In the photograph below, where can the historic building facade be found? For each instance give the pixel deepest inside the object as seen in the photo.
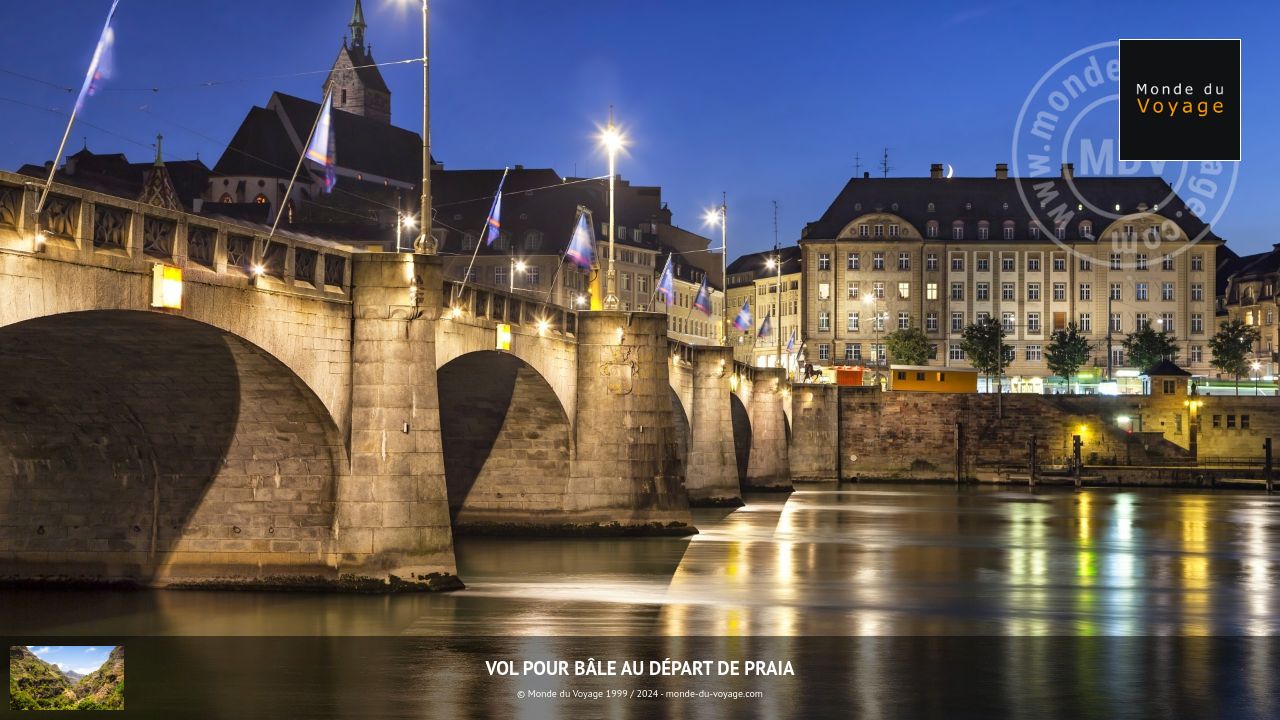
(754, 279)
(1249, 295)
(941, 253)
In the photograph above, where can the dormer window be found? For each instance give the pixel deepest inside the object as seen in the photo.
(1086, 229)
(931, 227)
(957, 230)
(931, 207)
(984, 230)
(1007, 229)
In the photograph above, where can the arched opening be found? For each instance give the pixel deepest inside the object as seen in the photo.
(137, 446)
(741, 435)
(506, 441)
(680, 429)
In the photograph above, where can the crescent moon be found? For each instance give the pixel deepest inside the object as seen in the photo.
(950, 171)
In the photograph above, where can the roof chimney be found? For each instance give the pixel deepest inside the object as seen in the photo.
(1068, 170)
(935, 171)
(1002, 171)
(866, 174)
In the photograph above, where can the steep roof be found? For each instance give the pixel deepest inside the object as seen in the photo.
(972, 199)
(263, 146)
(1165, 368)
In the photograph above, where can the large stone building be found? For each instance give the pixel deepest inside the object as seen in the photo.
(753, 279)
(1249, 294)
(685, 322)
(940, 253)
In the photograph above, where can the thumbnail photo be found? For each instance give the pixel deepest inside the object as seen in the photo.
(66, 677)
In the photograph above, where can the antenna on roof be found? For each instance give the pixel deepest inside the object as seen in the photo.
(775, 226)
(857, 164)
(884, 163)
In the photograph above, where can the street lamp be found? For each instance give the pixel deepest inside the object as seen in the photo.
(870, 299)
(517, 266)
(422, 244)
(720, 216)
(1257, 367)
(775, 263)
(613, 140)
(407, 222)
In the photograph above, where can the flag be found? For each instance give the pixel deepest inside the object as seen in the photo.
(791, 341)
(100, 65)
(766, 327)
(666, 284)
(582, 247)
(743, 320)
(702, 300)
(493, 225)
(320, 149)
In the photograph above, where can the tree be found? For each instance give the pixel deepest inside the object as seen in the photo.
(983, 344)
(1147, 347)
(907, 347)
(1231, 346)
(1066, 352)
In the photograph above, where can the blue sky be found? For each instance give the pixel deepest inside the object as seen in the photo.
(84, 659)
(764, 100)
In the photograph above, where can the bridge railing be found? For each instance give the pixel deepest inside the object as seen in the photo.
(93, 228)
(487, 303)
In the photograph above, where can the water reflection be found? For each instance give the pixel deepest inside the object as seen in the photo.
(847, 560)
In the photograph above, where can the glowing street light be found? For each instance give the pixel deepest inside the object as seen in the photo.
(713, 217)
(613, 141)
(517, 266)
(426, 134)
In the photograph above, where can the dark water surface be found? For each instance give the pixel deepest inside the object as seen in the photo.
(1097, 603)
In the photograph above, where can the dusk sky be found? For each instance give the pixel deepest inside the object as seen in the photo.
(763, 100)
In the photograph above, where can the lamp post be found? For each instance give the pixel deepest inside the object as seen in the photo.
(406, 222)
(1257, 368)
(612, 139)
(426, 136)
(775, 263)
(870, 299)
(720, 216)
(517, 266)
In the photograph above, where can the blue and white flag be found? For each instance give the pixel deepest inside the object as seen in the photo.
(791, 341)
(743, 321)
(493, 225)
(702, 301)
(320, 149)
(766, 327)
(582, 248)
(100, 65)
(666, 284)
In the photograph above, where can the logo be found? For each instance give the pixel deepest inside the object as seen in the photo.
(1065, 149)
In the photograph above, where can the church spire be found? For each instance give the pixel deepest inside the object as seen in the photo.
(357, 26)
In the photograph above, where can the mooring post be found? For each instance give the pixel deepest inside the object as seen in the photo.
(1266, 466)
(1076, 445)
(1031, 461)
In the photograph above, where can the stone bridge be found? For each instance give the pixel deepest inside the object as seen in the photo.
(314, 414)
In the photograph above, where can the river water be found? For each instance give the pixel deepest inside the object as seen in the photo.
(1032, 595)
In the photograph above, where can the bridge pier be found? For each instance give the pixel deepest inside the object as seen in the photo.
(391, 524)
(625, 474)
(768, 467)
(711, 473)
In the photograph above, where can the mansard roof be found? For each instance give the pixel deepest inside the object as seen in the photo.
(972, 199)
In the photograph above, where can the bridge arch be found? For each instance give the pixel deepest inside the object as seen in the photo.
(507, 440)
(741, 435)
(309, 334)
(149, 447)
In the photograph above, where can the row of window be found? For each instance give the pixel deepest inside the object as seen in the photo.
(1032, 325)
(1008, 291)
(1141, 261)
(691, 326)
(1030, 353)
(1009, 229)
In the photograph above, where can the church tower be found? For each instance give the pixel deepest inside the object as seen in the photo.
(357, 84)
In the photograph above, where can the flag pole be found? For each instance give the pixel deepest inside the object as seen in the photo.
(301, 156)
(476, 250)
(75, 109)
